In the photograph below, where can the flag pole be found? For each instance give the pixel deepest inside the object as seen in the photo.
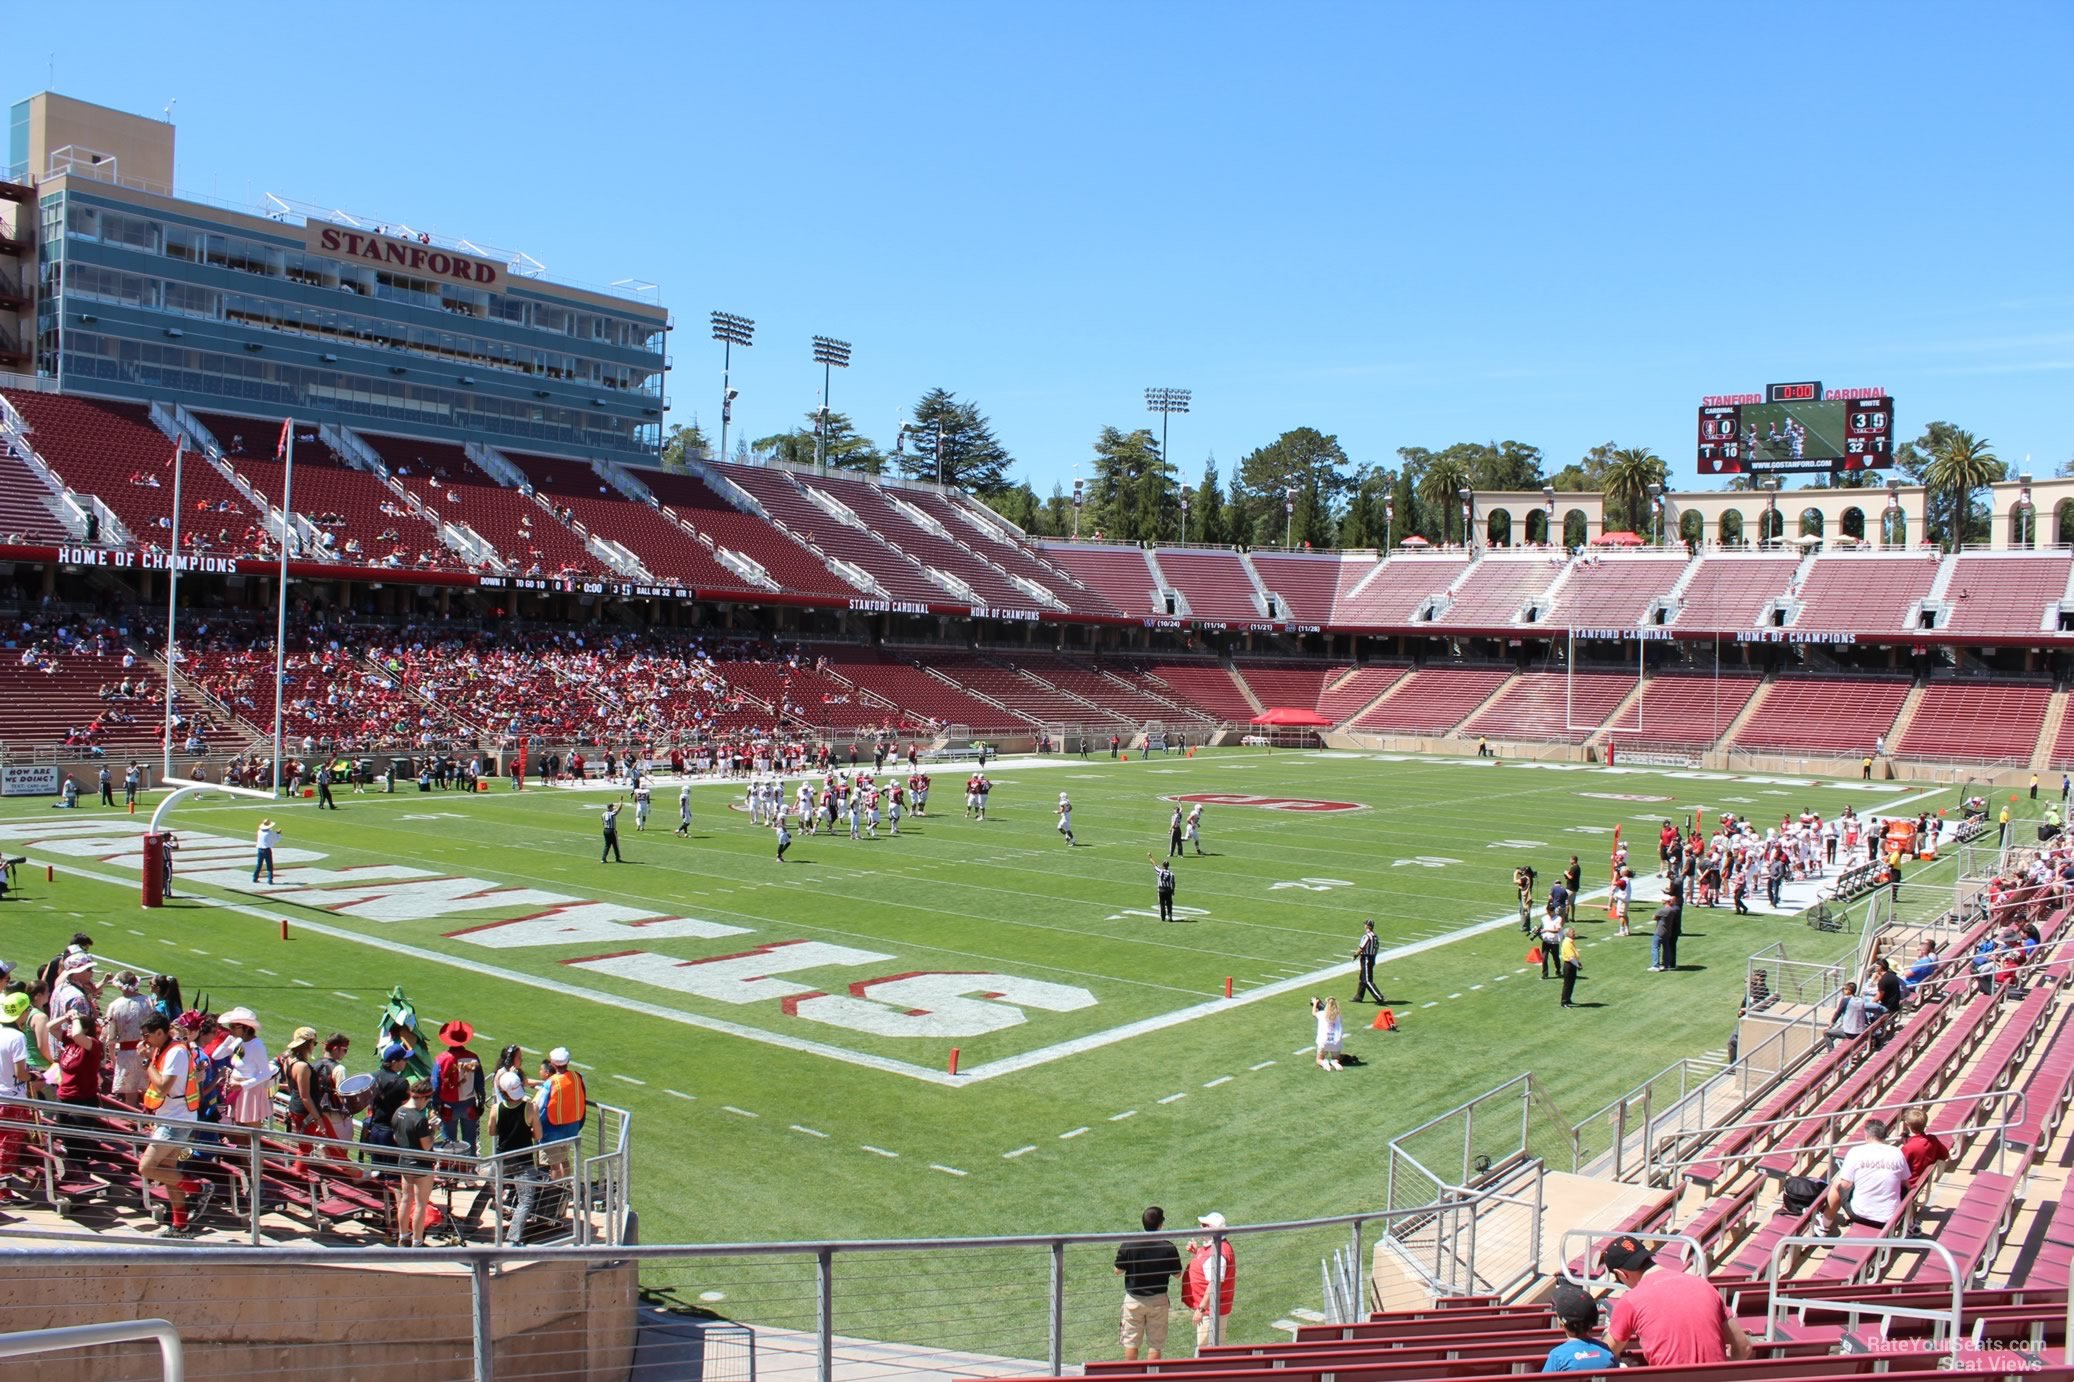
(281, 616)
(172, 605)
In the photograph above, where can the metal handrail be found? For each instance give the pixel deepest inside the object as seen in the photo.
(2008, 1122)
(172, 1364)
(1884, 1310)
(1695, 1253)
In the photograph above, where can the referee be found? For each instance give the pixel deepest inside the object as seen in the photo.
(1174, 834)
(1163, 877)
(1365, 952)
(611, 822)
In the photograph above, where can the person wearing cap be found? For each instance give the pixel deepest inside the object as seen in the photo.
(1210, 1279)
(75, 994)
(1146, 1266)
(251, 1070)
(14, 1085)
(514, 1122)
(563, 1105)
(1674, 1318)
(263, 858)
(457, 1082)
(172, 1096)
(122, 1032)
(1578, 1313)
(391, 1091)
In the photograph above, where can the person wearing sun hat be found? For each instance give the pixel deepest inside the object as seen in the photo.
(251, 1071)
(75, 994)
(457, 1084)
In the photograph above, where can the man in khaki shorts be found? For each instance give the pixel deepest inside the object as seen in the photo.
(1146, 1266)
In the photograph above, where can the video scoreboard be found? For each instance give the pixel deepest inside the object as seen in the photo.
(1796, 429)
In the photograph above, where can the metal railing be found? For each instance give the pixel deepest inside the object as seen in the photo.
(30, 1342)
(1945, 1322)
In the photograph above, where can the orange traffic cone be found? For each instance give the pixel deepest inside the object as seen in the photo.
(1385, 1021)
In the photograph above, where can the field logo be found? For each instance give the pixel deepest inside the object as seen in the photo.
(1267, 803)
(1626, 796)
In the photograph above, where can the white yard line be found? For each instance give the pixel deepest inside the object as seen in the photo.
(881, 1151)
(679, 1094)
(1262, 1066)
(1172, 1097)
(1221, 1079)
(740, 1112)
(1119, 1117)
(349, 997)
(947, 1170)
(629, 1079)
(810, 1132)
(1019, 1151)
(1069, 1136)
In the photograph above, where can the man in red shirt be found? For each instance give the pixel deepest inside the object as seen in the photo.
(1210, 1282)
(1675, 1318)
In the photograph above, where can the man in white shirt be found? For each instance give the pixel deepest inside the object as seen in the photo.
(1871, 1183)
(264, 842)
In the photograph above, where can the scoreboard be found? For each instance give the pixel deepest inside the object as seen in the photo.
(1796, 429)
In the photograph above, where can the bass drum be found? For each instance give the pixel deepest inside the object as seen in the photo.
(356, 1092)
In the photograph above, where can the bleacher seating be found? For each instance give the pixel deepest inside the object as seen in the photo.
(1205, 685)
(1393, 594)
(1835, 715)
(1433, 700)
(1981, 721)
(1613, 591)
(789, 499)
(1024, 694)
(39, 708)
(1865, 593)
(25, 505)
(1688, 710)
(1215, 584)
(1307, 582)
(113, 450)
(368, 524)
(664, 549)
(1119, 573)
(1118, 687)
(1299, 684)
(1496, 589)
(788, 563)
(986, 534)
(528, 537)
(2005, 593)
(891, 515)
(913, 697)
(1342, 700)
(1728, 591)
(335, 699)
(1552, 706)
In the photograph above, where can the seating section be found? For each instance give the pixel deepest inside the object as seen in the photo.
(1021, 692)
(1433, 700)
(1614, 592)
(1119, 688)
(1119, 573)
(70, 693)
(1299, 684)
(665, 550)
(1215, 584)
(1306, 583)
(988, 536)
(895, 524)
(362, 519)
(1496, 588)
(1341, 700)
(25, 505)
(1834, 715)
(1863, 594)
(1393, 594)
(1977, 721)
(910, 697)
(1729, 592)
(1687, 711)
(1206, 686)
(792, 566)
(1552, 706)
(2005, 593)
(526, 535)
(113, 450)
(790, 500)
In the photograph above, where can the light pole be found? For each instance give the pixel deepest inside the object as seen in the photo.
(2030, 528)
(1078, 498)
(731, 331)
(1656, 514)
(1893, 515)
(829, 353)
(1289, 512)
(1184, 513)
(900, 442)
(1389, 522)
(1548, 530)
(1468, 518)
(1771, 510)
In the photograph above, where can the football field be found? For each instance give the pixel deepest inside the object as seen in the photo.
(783, 1033)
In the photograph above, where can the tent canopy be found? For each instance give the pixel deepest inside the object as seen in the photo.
(1618, 540)
(1292, 716)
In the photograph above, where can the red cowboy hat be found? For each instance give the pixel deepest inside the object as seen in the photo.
(457, 1033)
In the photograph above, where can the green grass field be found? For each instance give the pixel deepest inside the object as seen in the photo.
(799, 1090)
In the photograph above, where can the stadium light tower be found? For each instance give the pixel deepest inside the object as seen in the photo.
(1389, 522)
(1078, 498)
(1656, 513)
(731, 331)
(1184, 513)
(1468, 498)
(2030, 528)
(1166, 402)
(829, 353)
(900, 441)
(1548, 528)
(1771, 511)
(1289, 511)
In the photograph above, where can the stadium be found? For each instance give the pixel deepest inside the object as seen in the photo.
(355, 596)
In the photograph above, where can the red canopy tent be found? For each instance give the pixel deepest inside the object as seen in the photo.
(1292, 717)
(1618, 540)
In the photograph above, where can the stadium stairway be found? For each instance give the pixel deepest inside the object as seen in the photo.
(1238, 679)
(1909, 706)
(1498, 693)
(1621, 714)
(2049, 732)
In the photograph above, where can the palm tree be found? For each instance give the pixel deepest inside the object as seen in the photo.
(1960, 463)
(1440, 486)
(1630, 471)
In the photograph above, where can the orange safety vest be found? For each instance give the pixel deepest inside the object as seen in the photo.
(153, 1100)
(566, 1100)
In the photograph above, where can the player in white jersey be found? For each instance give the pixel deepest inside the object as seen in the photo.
(856, 816)
(684, 810)
(1796, 439)
(1066, 819)
(784, 838)
(641, 802)
(1195, 828)
(806, 806)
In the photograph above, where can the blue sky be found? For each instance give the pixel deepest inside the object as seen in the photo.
(1402, 224)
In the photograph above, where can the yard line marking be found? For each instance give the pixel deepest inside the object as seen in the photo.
(880, 1151)
(1500, 978)
(947, 1170)
(1454, 995)
(349, 997)
(1434, 1004)
(163, 941)
(302, 983)
(229, 961)
(134, 932)
(1262, 1066)
(1221, 1079)
(1474, 987)
(1019, 1151)
(1301, 1051)
(1521, 970)
(1172, 1097)
(1068, 1136)
(269, 974)
(1119, 1117)
(628, 1078)
(198, 952)
(741, 1112)
(810, 1132)
(679, 1094)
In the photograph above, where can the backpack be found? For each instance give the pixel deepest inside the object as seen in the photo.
(1799, 1193)
(463, 1081)
(324, 1085)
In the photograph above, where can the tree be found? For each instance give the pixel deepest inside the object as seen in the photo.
(842, 448)
(1017, 503)
(1960, 466)
(1440, 485)
(685, 444)
(972, 458)
(1207, 520)
(1509, 465)
(1057, 514)
(1303, 459)
(1630, 471)
(1404, 517)
(1132, 495)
